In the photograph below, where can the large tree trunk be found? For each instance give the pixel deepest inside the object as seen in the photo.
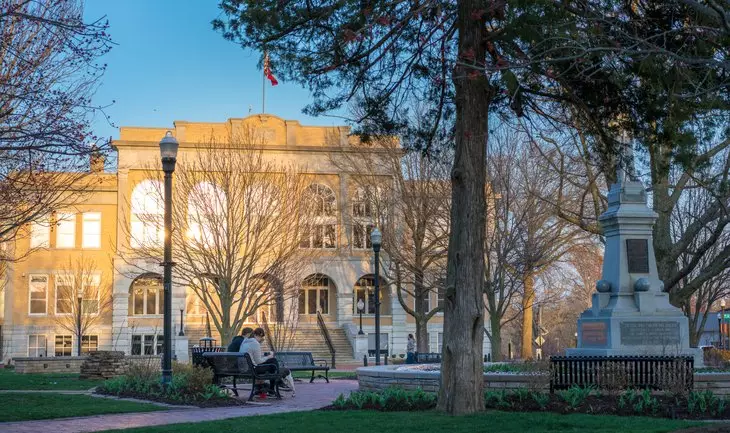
(421, 335)
(528, 299)
(496, 337)
(461, 369)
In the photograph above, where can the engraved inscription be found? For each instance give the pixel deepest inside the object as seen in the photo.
(593, 334)
(637, 254)
(649, 333)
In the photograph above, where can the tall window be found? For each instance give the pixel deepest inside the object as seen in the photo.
(146, 344)
(322, 233)
(64, 294)
(147, 214)
(37, 345)
(206, 213)
(91, 230)
(314, 295)
(40, 233)
(66, 234)
(363, 217)
(64, 345)
(365, 290)
(90, 289)
(89, 343)
(38, 294)
(146, 296)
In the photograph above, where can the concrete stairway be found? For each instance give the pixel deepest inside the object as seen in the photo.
(310, 339)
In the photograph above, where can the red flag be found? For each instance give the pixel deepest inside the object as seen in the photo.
(267, 70)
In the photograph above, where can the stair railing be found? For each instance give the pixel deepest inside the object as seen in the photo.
(326, 335)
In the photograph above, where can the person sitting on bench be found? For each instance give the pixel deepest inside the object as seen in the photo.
(235, 345)
(252, 346)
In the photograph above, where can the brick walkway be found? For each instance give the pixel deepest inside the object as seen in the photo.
(309, 397)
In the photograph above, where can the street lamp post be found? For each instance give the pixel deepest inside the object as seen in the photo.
(719, 329)
(182, 333)
(78, 323)
(722, 320)
(376, 238)
(168, 153)
(360, 307)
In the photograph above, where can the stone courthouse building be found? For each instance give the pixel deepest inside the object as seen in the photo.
(106, 220)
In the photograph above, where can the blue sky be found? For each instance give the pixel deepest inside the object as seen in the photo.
(170, 65)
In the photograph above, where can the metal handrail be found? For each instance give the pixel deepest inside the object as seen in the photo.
(326, 335)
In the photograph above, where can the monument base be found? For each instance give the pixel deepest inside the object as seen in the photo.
(627, 334)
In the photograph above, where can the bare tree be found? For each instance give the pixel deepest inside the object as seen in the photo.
(408, 194)
(239, 218)
(49, 71)
(83, 298)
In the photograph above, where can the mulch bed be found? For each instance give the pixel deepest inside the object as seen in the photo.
(668, 407)
(214, 402)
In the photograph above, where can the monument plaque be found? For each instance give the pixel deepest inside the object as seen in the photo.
(637, 255)
(594, 334)
(649, 333)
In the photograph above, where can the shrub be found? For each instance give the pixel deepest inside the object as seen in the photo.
(541, 398)
(518, 367)
(575, 395)
(703, 402)
(496, 400)
(674, 378)
(391, 399)
(189, 384)
(716, 357)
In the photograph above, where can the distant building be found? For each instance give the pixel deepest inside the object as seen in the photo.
(95, 228)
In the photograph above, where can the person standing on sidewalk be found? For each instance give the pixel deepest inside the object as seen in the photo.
(411, 350)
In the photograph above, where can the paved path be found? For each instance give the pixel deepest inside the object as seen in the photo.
(309, 397)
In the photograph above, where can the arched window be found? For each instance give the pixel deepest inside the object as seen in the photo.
(322, 233)
(365, 291)
(147, 213)
(146, 296)
(363, 216)
(207, 205)
(314, 294)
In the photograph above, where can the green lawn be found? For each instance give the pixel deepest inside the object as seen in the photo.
(23, 407)
(399, 422)
(9, 379)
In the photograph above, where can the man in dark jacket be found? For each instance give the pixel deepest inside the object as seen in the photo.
(235, 345)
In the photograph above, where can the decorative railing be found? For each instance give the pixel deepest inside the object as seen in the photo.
(653, 372)
(327, 338)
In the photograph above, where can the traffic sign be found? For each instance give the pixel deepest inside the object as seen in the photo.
(539, 340)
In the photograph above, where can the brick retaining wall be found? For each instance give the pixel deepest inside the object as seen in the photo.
(70, 364)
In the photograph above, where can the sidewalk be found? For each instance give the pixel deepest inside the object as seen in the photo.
(309, 397)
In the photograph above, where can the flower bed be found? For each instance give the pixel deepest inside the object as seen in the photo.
(191, 385)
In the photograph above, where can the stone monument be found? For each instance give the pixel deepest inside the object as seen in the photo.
(630, 312)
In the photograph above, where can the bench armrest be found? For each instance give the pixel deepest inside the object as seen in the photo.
(320, 363)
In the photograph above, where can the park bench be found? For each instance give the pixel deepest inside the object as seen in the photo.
(238, 365)
(640, 372)
(303, 361)
(427, 358)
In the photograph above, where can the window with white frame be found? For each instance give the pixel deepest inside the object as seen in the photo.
(147, 215)
(89, 343)
(37, 345)
(314, 295)
(363, 217)
(66, 230)
(322, 232)
(147, 344)
(38, 294)
(64, 345)
(90, 289)
(207, 206)
(146, 296)
(91, 230)
(64, 294)
(40, 233)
